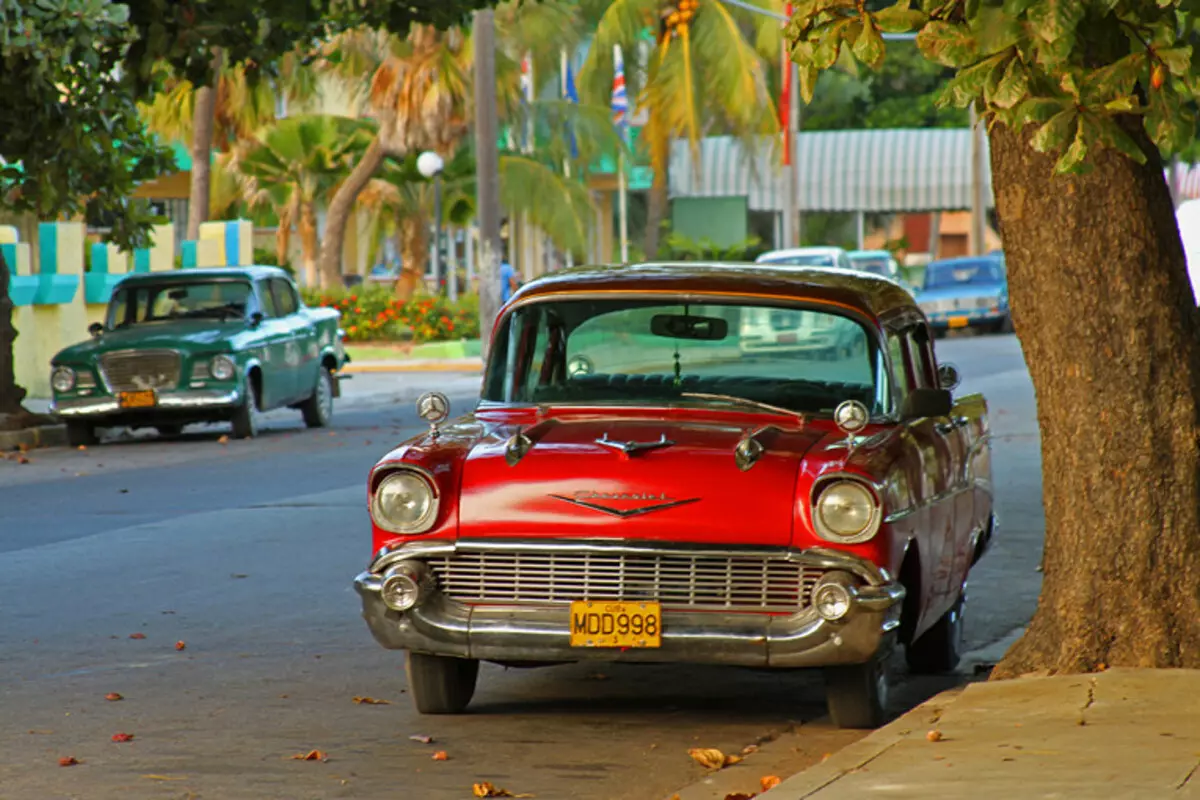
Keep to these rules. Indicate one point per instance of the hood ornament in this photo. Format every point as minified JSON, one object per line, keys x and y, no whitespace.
{"x":631,"y":448}
{"x":433,"y":407}
{"x":749,"y":449}
{"x":516,"y":447}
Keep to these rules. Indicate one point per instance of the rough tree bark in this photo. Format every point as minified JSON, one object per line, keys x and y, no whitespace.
{"x":1105,"y":313}
{"x":11,"y":394}
{"x":414,"y":252}
{"x":202,"y":134}
{"x":340,"y":208}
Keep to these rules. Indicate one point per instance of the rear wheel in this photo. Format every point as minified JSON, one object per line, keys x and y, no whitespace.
{"x":940,"y":648}
{"x":857,"y":694}
{"x":245,"y":417}
{"x":81,"y":434}
{"x":318,"y":408}
{"x":441,"y":684}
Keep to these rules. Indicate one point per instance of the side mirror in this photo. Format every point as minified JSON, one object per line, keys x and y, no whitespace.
{"x":95,"y":329}
{"x":948,"y":377}
{"x":256,"y":319}
{"x":927,"y":403}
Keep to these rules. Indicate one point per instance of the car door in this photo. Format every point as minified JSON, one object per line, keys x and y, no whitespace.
{"x":300,"y":349}
{"x":278,"y":380}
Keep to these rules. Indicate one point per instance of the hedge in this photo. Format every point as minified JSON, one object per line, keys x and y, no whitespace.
{"x":373,"y":314}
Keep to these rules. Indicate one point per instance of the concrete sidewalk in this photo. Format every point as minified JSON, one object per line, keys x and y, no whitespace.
{"x":1122,"y":733}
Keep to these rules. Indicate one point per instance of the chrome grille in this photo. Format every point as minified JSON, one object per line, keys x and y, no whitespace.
{"x":678,"y":581}
{"x":130,"y":370}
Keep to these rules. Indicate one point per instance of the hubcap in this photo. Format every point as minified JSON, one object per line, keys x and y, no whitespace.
{"x":325,"y":395}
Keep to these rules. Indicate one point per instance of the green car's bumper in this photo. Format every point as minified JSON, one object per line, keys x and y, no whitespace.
{"x":187,"y":404}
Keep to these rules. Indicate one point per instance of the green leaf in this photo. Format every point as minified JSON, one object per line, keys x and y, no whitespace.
{"x":1122,"y":105}
{"x":1071,"y":161}
{"x":948,"y":43}
{"x":1117,"y":79}
{"x":968,"y":83}
{"x":1014,"y":8}
{"x":808,"y":81}
{"x":1039,"y":109}
{"x":1108,"y":133}
{"x":869,"y":48}
{"x":1056,"y":20}
{"x":1013,"y":85}
{"x":1178,"y":59}
{"x":1054,"y":133}
{"x":900,"y":17}
{"x":994,"y":30}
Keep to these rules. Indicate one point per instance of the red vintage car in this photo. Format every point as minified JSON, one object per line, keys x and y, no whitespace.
{"x":636,"y":485}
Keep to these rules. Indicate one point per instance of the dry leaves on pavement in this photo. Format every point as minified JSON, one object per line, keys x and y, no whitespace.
{"x":122,"y":737}
{"x":769,"y":782}
{"x":712,"y":758}
{"x":741,"y":796}
{"x":371,"y":701}
{"x":422,"y":738}
{"x":224,"y":439}
{"x":113,"y":696}
{"x":441,"y":755}
{"x":180,"y":645}
{"x":138,"y":635}
{"x":486,"y":789}
{"x":311,"y":755}
{"x":934,"y":736}
{"x":68,"y":761}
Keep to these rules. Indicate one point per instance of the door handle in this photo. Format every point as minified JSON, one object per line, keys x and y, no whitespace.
{"x":952,"y":425}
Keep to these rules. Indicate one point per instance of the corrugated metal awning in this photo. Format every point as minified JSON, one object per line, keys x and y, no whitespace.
{"x":886,"y":170}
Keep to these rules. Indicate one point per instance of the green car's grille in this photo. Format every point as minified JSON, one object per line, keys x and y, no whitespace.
{"x":131,"y":370}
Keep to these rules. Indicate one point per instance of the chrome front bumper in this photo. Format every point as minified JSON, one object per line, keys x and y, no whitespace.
{"x":440,"y":625}
{"x":191,"y":399}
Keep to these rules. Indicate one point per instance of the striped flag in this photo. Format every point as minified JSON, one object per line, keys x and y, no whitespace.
{"x":571,"y":96}
{"x":527,"y":101}
{"x":620,"y":101}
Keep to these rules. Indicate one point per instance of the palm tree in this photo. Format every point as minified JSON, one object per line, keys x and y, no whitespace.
{"x":419,"y":88}
{"x":702,"y":74}
{"x":295,"y":167}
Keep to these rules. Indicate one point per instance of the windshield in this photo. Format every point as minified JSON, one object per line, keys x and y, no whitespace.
{"x":876,"y":265}
{"x":955,"y":273}
{"x":656,"y":351}
{"x":802,"y":260}
{"x":145,"y":303}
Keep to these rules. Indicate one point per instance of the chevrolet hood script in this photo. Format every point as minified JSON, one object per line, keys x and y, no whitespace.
{"x":623,"y":504}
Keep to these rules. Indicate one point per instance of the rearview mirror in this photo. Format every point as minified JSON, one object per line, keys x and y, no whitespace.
{"x":927,"y":403}
{"x":685,"y":326}
{"x":256,"y":319}
{"x":95,"y":329}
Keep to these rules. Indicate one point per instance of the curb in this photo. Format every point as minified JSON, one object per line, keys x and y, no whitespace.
{"x":468,"y":369}
{"x":30,"y":438}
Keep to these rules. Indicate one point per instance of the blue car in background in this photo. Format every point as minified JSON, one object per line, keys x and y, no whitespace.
{"x":969,"y":292}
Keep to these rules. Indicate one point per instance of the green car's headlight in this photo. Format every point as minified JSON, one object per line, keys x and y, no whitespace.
{"x":62,"y":379}
{"x":222,"y":368}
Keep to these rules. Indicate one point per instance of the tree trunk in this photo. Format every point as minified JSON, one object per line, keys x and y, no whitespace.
{"x":340,"y":208}
{"x":414,"y":252}
{"x":283,"y":239}
{"x":202,"y":135}
{"x":1105,"y":313}
{"x":656,"y":210}
{"x":308,"y":245}
{"x":11,"y":394}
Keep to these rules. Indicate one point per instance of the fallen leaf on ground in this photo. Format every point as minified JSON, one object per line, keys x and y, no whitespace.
{"x":934,"y":736}
{"x":163,"y":778}
{"x":740,"y":796}
{"x":180,"y":645}
{"x":22,"y":460}
{"x":712,"y":758}
{"x":422,"y":738}
{"x":223,"y":439}
{"x":68,"y":761}
{"x":486,"y":789}
{"x":113,"y":696}
{"x":750,"y":748}
{"x":440,"y":755}
{"x":122,"y":737}
{"x":137,"y":636}
{"x":768,"y":782}
{"x":371,"y":701}
{"x":311,"y":755}
{"x":82,"y":447}
{"x":40,"y":733}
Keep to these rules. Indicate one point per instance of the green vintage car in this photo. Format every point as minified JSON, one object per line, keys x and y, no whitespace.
{"x":200,"y":345}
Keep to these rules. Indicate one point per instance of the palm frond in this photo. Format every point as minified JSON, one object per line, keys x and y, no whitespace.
{"x":557,"y":205}
{"x":622,"y":23}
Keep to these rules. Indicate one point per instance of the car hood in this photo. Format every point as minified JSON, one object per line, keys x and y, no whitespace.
{"x":567,"y":485}
{"x":190,"y":336}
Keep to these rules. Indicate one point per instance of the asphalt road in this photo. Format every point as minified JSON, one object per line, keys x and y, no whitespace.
{"x":245,"y":553}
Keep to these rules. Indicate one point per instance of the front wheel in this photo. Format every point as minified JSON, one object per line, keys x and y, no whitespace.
{"x":81,"y":434}
{"x":940,"y":648}
{"x":318,"y":408}
{"x":441,"y":684}
{"x":245,"y":417}
{"x":857,"y":694}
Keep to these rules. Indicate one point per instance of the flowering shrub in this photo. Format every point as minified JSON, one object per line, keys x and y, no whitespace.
{"x":373,"y":314}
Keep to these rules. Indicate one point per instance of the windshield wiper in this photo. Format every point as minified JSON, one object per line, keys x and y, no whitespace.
{"x":744,"y":401}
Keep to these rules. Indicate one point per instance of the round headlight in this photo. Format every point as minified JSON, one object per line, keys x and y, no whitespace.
{"x":222,"y":368}
{"x":832,"y":601}
{"x":62,"y":379}
{"x":846,"y":512}
{"x":405,"y":502}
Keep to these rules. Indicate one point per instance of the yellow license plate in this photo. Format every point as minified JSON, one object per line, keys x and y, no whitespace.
{"x":144,"y":399}
{"x":599,"y":624}
{"x":958,"y":322}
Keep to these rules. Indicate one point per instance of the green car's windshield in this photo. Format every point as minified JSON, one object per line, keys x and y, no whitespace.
{"x":876,"y":265}
{"x":588,"y":352}
{"x":145,"y":303}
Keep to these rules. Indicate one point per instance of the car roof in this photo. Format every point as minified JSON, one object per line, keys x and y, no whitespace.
{"x":822,"y":250}
{"x":993,"y":257}
{"x":874,"y":295}
{"x":186,"y":275}
{"x":870,"y":253}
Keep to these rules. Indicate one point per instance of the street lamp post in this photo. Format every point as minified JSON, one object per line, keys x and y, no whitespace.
{"x":430,"y":165}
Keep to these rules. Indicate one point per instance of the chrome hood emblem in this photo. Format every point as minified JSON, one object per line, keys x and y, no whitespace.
{"x":602,"y":502}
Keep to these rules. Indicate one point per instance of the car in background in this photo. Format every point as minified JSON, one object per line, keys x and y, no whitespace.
{"x":200,"y":345}
{"x":968,"y":292}
{"x":876,"y":262}
{"x":807,"y":257}
{"x":629,"y":490}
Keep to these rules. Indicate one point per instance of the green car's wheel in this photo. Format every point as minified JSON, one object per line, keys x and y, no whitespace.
{"x":245,"y":417}
{"x":318,"y":408}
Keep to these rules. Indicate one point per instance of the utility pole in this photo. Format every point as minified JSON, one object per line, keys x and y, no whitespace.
{"x":487,"y":173}
{"x":978,"y":237}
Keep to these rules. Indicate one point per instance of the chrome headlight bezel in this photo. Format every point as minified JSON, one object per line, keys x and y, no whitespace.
{"x":421,"y":525}
{"x":68,"y":373}
{"x":222,"y":368}
{"x":822,"y":495}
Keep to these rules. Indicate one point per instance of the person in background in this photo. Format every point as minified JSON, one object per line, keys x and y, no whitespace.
{"x":508,"y":281}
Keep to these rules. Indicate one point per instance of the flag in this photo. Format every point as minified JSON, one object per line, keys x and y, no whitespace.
{"x":620,"y":101}
{"x":527,"y":101}
{"x":571,"y":96}
{"x":785,"y":98}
